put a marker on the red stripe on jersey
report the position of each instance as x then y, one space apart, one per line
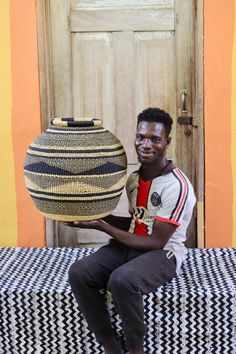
160 218
142 199
184 194
140 229
143 191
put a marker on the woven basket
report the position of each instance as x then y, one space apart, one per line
75 170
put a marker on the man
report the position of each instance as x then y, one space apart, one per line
146 249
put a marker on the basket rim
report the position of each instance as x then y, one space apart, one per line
75 122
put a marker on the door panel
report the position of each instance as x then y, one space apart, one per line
92 76
112 59
155 74
117 75
121 15
124 90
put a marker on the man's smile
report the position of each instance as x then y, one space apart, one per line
145 153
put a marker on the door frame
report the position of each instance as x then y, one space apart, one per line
47 105
198 110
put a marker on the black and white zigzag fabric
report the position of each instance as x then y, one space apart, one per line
194 313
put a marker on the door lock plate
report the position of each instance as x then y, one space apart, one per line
185 120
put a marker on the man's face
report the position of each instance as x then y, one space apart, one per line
151 142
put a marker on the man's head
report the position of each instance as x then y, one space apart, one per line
152 136
156 115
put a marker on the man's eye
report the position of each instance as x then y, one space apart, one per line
155 140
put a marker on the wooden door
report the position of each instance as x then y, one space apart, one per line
111 59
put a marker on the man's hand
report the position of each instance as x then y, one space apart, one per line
92 224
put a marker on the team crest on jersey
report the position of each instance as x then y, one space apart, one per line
155 199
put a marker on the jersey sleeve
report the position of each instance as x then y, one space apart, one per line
130 186
174 199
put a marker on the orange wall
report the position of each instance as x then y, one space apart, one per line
25 113
219 20
8 213
20 222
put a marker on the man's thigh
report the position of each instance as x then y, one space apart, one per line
110 256
97 267
149 270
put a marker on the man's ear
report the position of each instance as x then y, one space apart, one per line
168 140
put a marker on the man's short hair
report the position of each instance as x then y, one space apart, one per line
156 115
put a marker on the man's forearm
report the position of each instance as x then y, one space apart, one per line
129 239
160 235
121 222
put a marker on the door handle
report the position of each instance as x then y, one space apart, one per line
183 100
184 119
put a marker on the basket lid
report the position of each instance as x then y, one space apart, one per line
76 122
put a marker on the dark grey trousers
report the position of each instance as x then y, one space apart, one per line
128 274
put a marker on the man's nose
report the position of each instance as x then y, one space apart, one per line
147 142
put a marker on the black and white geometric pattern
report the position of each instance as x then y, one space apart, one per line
194 313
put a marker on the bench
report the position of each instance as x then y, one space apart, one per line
194 313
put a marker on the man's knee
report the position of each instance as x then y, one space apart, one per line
121 280
77 271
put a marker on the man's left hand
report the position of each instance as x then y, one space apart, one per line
92 224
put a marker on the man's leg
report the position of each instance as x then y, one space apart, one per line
87 277
130 282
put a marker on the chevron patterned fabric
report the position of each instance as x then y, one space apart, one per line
194 313
75 170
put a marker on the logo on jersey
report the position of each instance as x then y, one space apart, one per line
155 199
141 215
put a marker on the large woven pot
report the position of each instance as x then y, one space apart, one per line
75 170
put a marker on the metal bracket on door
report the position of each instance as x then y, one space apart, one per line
185 120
